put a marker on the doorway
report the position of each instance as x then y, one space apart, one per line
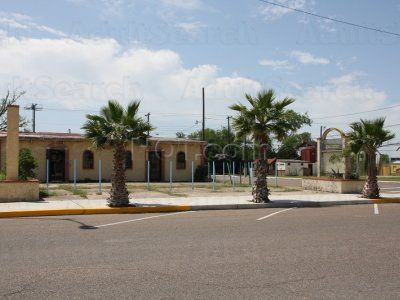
56 165
155 165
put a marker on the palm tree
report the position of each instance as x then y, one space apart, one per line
368 136
265 117
114 127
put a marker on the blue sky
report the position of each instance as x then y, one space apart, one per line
73 55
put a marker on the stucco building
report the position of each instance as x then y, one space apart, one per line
62 149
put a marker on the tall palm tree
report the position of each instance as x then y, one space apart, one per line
368 136
265 117
115 127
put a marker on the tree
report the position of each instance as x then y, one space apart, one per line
290 145
180 135
216 140
10 99
368 136
266 117
27 164
115 127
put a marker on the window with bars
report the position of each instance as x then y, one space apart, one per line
88 160
181 161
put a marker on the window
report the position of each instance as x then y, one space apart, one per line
88 160
128 160
181 161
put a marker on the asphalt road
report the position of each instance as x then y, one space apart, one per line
335 252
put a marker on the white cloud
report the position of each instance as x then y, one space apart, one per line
84 73
184 4
273 12
23 22
276 64
308 58
191 28
342 95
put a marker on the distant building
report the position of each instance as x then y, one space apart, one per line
308 151
62 149
294 167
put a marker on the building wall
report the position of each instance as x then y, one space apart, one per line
309 154
327 166
74 151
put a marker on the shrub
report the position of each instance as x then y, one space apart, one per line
200 174
2 175
27 163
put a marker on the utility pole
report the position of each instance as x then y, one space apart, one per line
148 123
229 128
34 107
204 117
321 129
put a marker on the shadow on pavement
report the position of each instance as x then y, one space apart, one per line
83 225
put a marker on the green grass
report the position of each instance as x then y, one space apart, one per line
43 193
78 192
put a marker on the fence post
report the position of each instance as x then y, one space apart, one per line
192 175
74 174
233 173
223 172
47 174
240 172
170 176
248 168
100 175
148 175
213 165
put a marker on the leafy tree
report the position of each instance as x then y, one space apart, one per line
265 118
290 145
217 140
180 135
10 99
368 136
27 164
115 127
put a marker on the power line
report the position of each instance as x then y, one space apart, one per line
331 19
357 113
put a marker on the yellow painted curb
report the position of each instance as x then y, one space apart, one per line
386 200
94 211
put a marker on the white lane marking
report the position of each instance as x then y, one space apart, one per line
391 188
141 219
376 209
275 213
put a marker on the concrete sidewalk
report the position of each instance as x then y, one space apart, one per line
145 205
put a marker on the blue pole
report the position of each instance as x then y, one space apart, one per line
74 174
148 175
100 191
223 172
213 165
170 176
233 177
192 175
47 174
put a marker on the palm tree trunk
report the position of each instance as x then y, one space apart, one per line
371 188
119 195
260 189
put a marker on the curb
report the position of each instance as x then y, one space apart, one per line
178 208
93 211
